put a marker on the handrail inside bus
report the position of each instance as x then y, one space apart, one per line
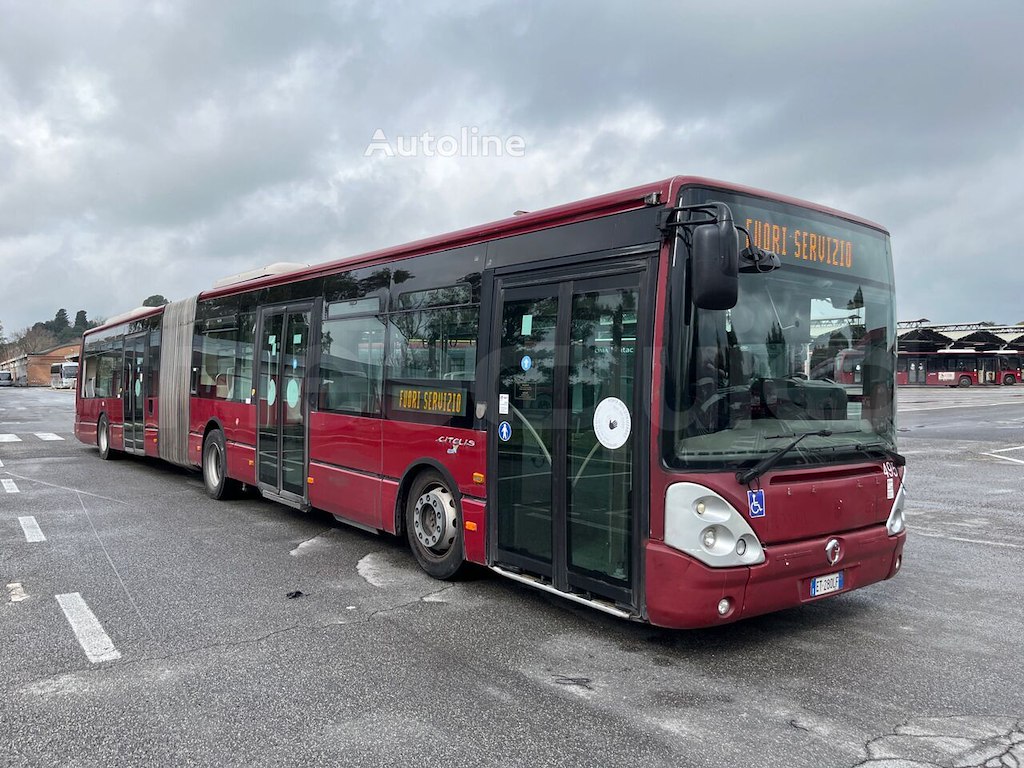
532 431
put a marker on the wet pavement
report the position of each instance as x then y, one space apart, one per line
377 664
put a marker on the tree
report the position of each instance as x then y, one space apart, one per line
34 340
60 321
156 300
81 320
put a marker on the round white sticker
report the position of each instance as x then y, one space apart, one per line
292 393
612 423
271 392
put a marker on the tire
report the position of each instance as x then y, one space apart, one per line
965 381
1009 380
433 526
103 440
215 468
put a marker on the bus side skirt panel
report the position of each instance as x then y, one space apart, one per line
151 441
241 460
354 496
389 501
117 437
474 529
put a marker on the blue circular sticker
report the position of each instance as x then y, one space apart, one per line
505 431
526 362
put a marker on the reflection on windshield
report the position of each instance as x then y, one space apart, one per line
804 350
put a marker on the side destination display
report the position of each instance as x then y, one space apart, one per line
448 402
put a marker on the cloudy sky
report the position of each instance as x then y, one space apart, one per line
153 148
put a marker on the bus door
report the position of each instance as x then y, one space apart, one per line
281 402
564 424
134 394
917 370
988 367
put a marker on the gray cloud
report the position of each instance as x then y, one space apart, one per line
154 148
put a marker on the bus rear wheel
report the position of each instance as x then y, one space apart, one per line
103 439
965 381
215 468
1009 379
433 526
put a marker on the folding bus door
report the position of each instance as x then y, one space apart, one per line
134 394
282 404
564 432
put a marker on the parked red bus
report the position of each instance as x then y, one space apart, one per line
606 400
848 366
959 367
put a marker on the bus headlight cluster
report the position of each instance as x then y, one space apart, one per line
702 524
897 521
710 538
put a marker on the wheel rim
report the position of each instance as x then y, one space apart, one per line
213 465
103 438
435 521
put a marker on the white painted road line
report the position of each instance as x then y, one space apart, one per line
1004 458
959 405
9 485
16 592
930 534
94 641
1 465
9 439
31 528
48 436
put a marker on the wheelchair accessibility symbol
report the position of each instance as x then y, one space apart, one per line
755 502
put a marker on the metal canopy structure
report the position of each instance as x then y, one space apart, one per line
922 336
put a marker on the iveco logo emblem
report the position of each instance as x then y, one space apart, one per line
833 551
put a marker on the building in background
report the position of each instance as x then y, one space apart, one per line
959 354
33 370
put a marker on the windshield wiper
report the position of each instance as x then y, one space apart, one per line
745 476
896 458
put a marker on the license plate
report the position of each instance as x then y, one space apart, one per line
822 585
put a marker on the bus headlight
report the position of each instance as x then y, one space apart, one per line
897 522
702 524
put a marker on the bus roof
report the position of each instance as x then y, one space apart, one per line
654 193
581 210
134 314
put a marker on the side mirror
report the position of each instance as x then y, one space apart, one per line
715 262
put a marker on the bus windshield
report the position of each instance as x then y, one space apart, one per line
772 367
63 375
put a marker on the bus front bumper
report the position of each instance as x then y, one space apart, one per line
683 593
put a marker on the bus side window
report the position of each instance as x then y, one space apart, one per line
351 365
91 365
215 357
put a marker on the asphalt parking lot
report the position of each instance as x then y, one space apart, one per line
143 624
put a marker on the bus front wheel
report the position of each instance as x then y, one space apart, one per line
965 381
215 467
103 439
433 526
1009 379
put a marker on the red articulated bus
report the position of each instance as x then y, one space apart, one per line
848 366
959 367
608 400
